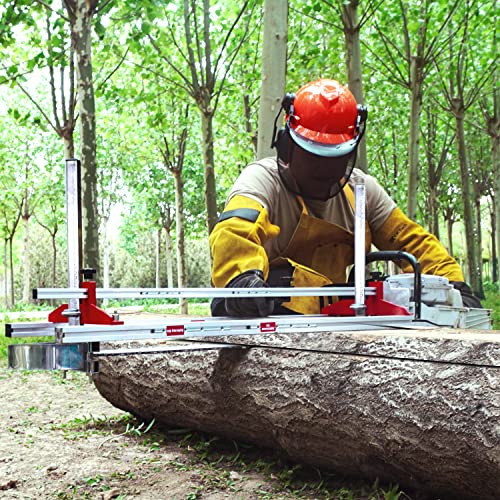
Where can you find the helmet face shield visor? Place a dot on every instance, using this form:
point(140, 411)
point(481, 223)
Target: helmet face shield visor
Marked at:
point(316, 177)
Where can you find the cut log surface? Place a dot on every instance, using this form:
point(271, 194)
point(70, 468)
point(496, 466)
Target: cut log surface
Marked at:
point(416, 407)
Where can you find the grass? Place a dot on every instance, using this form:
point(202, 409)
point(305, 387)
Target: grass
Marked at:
point(220, 462)
point(195, 309)
point(216, 464)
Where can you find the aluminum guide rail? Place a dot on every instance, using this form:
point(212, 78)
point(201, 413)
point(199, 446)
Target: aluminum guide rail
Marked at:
point(359, 248)
point(74, 232)
point(164, 293)
point(105, 353)
point(31, 329)
point(203, 327)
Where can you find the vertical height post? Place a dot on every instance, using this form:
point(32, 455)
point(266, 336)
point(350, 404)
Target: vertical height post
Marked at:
point(74, 233)
point(359, 248)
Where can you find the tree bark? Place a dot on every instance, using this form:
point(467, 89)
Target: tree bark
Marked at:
point(492, 119)
point(274, 51)
point(433, 211)
point(169, 257)
point(420, 408)
point(417, 79)
point(465, 175)
point(5, 274)
point(80, 13)
point(180, 240)
point(449, 228)
point(209, 170)
point(494, 251)
point(352, 29)
point(26, 298)
point(158, 258)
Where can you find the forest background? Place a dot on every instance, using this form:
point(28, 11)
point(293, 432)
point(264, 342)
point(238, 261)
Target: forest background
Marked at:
point(165, 102)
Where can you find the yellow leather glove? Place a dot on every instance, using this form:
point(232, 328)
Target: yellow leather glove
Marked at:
point(401, 233)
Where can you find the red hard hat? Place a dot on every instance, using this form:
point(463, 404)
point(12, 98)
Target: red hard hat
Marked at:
point(324, 118)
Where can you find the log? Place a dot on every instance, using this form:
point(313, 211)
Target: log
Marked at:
point(420, 408)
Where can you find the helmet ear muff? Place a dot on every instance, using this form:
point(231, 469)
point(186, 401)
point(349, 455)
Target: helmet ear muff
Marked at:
point(362, 116)
point(282, 144)
point(280, 137)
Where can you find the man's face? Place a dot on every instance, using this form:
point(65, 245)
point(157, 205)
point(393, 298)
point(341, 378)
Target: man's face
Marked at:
point(315, 175)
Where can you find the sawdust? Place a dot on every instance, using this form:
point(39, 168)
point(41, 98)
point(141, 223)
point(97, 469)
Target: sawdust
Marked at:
point(60, 439)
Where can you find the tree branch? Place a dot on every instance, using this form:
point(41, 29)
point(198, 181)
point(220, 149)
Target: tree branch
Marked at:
point(48, 7)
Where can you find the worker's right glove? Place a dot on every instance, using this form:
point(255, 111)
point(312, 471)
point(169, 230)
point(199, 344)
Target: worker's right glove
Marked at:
point(468, 298)
point(249, 306)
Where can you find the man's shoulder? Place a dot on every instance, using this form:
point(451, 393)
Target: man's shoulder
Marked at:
point(370, 181)
point(359, 175)
point(259, 180)
point(259, 173)
point(264, 166)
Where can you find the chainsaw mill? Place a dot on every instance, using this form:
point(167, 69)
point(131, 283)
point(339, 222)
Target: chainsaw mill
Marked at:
point(404, 301)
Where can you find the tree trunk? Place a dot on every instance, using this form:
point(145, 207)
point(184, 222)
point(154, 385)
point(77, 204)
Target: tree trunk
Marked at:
point(81, 35)
point(274, 52)
point(11, 265)
point(494, 251)
point(413, 146)
point(420, 408)
point(26, 298)
point(493, 126)
point(6, 272)
point(478, 226)
point(179, 226)
point(169, 258)
point(69, 147)
point(158, 258)
point(449, 230)
point(208, 162)
point(433, 212)
point(354, 68)
point(496, 176)
point(465, 175)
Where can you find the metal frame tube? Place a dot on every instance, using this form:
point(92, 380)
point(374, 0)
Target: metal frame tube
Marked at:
point(193, 293)
point(359, 248)
point(74, 233)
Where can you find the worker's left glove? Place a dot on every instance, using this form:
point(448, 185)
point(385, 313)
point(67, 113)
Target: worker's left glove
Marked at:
point(249, 306)
point(468, 298)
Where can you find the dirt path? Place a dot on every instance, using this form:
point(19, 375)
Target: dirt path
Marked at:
point(60, 439)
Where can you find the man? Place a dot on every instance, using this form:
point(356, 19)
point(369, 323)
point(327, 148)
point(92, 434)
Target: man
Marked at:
point(289, 221)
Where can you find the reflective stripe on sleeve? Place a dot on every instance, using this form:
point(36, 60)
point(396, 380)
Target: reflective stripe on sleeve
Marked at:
point(249, 214)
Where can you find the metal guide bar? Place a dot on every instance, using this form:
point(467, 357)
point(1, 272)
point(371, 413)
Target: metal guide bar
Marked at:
point(31, 329)
point(74, 231)
point(359, 249)
point(193, 293)
point(178, 330)
point(104, 353)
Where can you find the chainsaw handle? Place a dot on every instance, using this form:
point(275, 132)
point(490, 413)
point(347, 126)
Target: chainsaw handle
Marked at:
point(388, 255)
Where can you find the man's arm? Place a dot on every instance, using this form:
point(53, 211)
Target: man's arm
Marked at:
point(239, 257)
point(237, 240)
point(399, 232)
